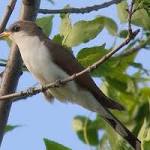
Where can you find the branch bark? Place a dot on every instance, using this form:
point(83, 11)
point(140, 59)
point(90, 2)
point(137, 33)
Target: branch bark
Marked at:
point(7, 14)
point(79, 10)
point(14, 66)
point(137, 48)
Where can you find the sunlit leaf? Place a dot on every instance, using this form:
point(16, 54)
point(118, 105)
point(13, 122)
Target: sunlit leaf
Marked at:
point(46, 24)
point(88, 56)
point(83, 31)
point(51, 145)
point(144, 135)
point(110, 25)
point(86, 130)
point(143, 4)
point(65, 26)
point(145, 93)
point(58, 39)
point(9, 128)
point(141, 18)
point(123, 33)
point(143, 110)
point(103, 143)
point(122, 11)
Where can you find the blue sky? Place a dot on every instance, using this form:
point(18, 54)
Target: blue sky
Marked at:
point(39, 119)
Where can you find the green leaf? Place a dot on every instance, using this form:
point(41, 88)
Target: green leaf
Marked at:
point(123, 33)
point(131, 88)
point(86, 130)
point(143, 110)
point(110, 25)
point(88, 56)
point(144, 135)
point(144, 93)
point(117, 84)
point(137, 65)
point(143, 4)
point(146, 145)
point(103, 143)
point(117, 90)
point(65, 26)
point(9, 128)
point(122, 11)
point(58, 39)
point(141, 18)
point(83, 31)
point(46, 24)
point(139, 78)
point(51, 145)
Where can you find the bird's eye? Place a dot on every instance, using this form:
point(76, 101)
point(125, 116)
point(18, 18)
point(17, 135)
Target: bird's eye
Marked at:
point(16, 28)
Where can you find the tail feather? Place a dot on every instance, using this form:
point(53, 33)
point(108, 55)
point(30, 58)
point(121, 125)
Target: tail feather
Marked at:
point(109, 103)
point(119, 127)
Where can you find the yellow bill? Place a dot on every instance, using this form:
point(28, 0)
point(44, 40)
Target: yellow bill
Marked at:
point(5, 34)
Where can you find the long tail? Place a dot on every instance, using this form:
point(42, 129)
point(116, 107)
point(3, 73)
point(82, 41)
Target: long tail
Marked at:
point(119, 127)
point(109, 103)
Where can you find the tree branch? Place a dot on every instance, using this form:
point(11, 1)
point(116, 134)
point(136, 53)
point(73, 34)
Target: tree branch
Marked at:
point(7, 14)
point(131, 11)
point(79, 10)
point(135, 49)
point(58, 83)
point(14, 66)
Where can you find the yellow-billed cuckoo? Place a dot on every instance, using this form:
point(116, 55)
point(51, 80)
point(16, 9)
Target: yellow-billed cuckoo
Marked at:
point(49, 62)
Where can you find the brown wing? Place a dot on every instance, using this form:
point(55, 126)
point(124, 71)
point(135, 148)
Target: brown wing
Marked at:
point(62, 57)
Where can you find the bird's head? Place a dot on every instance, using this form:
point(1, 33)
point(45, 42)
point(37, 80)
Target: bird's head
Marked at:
point(20, 29)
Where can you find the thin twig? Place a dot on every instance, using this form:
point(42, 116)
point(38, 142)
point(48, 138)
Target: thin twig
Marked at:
point(8, 12)
point(136, 48)
point(34, 91)
point(131, 11)
point(79, 10)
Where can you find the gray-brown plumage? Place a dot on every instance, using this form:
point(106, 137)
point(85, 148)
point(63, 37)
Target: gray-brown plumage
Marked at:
point(49, 61)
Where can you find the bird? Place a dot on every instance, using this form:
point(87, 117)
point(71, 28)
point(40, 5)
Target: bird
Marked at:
point(49, 61)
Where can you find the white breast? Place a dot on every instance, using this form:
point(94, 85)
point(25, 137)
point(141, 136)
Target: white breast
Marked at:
point(38, 60)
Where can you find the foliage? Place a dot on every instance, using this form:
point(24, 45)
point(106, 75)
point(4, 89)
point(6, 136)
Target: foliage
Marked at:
point(50, 145)
point(45, 23)
point(84, 31)
point(9, 128)
point(130, 89)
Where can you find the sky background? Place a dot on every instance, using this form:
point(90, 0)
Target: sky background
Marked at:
point(37, 118)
